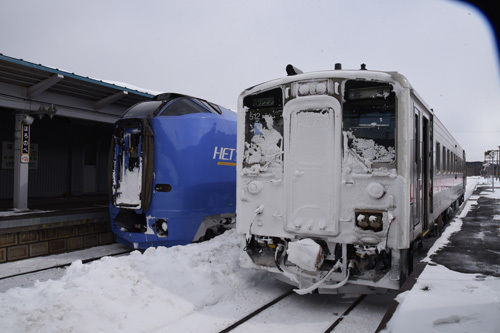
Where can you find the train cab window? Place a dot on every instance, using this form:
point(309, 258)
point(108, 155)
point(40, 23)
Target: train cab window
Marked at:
point(182, 106)
point(211, 106)
point(144, 109)
point(369, 120)
point(263, 130)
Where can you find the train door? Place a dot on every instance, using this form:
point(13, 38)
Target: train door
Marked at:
point(312, 164)
point(422, 169)
point(430, 159)
point(426, 167)
point(132, 164)
point(416, 193)
point(127, 177)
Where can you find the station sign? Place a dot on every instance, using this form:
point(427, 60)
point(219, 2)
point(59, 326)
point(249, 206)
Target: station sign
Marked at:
point(25, 144)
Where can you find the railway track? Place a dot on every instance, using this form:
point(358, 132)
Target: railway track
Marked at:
point(339, 317)
point(25, 272)
point(58, 266)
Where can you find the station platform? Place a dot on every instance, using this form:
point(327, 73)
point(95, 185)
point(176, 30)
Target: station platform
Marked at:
point(476, 247)
point(53, 225)
point(457, 286)
point(52, 210)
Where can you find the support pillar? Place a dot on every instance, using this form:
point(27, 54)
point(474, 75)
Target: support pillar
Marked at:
point(21, 163)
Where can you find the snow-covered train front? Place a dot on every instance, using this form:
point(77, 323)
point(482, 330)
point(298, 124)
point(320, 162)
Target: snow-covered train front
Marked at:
point(339, 174)
point(172, 172)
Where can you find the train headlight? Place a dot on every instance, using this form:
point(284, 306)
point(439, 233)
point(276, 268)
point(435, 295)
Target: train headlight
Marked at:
point(375, 222)
point(369, 220)
point(361, 221)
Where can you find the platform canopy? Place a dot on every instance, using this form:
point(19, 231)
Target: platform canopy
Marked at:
point(32, 91)
point(36, 89)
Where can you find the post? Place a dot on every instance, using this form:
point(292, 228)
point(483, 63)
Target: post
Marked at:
point(21, 160)
point(492, 156)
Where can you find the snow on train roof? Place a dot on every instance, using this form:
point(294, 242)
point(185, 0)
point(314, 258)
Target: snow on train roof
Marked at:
point(394, 77)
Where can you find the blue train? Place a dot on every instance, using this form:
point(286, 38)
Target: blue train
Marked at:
point(172, 172)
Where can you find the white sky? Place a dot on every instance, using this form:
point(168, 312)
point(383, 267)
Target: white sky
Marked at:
point(215, 49)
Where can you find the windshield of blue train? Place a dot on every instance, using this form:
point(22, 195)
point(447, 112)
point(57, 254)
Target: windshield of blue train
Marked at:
point(263, 131)
point(182, 106)
point(143, 109)
point(369, 121)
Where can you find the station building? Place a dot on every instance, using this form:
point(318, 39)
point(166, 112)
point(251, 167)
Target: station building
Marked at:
point(55, 132)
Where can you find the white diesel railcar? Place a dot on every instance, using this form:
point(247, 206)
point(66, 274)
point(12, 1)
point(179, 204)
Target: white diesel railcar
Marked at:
point(340, 174)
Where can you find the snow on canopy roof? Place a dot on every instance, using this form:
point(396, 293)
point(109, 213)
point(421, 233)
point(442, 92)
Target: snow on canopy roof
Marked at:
point(26, 74)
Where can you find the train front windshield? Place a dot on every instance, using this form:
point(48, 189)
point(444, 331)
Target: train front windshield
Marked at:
point(369, 125)
point(263, 130)
point(144, 109)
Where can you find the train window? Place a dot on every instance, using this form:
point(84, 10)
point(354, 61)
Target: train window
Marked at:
point(369, 120)
point(438, 157)
point(263, 129)
point(448, 159)
point(211, 106)
point(182, 106)
point(144, 109)
point(445, 160)
point(451, 162)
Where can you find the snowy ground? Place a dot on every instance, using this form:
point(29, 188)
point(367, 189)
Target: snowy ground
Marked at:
point(201, 288)
point(446, 301)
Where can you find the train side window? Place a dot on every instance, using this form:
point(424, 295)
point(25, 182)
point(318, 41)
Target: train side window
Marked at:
point(444, 160)
point(438, 157)
point(449, 160)
point(183, 106)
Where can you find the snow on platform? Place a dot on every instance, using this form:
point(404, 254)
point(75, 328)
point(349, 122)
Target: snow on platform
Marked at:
point(459, 289)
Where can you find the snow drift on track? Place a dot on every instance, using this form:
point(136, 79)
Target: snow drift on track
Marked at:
point(143, 292)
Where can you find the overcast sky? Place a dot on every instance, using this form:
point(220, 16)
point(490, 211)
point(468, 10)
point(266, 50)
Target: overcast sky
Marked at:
point(215, 49)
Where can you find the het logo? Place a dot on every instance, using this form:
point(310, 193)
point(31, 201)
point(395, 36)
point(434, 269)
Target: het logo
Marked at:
point(225, 156)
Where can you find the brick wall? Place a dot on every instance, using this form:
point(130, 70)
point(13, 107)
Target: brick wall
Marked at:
point(34, 241)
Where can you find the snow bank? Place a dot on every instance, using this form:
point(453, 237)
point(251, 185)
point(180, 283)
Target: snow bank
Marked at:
point(143, 292)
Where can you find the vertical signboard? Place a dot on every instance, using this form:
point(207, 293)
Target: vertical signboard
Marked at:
point(25, 144)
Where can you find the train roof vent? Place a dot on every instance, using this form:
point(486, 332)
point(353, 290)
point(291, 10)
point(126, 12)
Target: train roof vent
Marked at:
point(338, 66)
point(363, 67)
